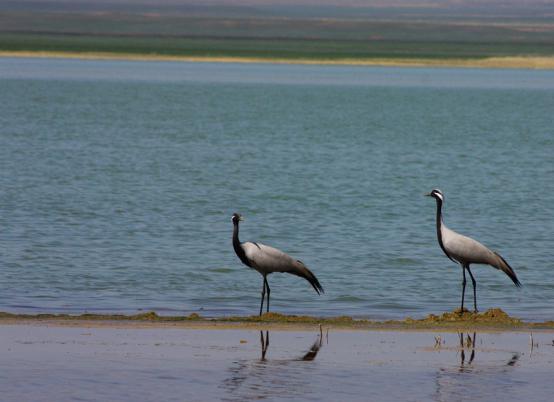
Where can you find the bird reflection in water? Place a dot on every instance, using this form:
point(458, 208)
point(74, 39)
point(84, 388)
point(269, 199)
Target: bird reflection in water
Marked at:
point(308, 356)
point(470, 381)
point(470, 344)
point(265, 343)
point(266, 377)
point(314, 350)
point(514, 359)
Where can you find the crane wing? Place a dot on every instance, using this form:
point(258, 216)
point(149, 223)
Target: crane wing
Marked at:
point(469, 251)
point(466, 250)
point(266, 259)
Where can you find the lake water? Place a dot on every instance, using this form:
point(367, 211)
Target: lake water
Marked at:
point(45, 363)
point(118, 180)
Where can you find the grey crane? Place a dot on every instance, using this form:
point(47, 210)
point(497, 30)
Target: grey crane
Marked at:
point(466, 251)
point(266, 260)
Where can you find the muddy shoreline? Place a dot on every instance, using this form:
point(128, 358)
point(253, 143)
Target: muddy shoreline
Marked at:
point(492, 319)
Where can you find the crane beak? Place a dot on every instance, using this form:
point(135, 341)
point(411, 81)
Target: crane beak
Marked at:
point(428, 194)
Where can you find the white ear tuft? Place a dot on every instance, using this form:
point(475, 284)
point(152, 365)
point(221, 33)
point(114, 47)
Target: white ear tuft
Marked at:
point(439, 194)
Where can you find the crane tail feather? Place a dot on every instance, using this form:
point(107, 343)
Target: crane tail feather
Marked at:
point(302, 271)
point(505, 267)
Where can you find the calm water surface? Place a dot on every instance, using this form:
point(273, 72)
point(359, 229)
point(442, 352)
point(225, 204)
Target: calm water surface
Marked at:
point(118, 180)
point(91, 364)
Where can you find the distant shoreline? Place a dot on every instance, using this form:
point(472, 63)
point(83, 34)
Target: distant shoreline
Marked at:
point(512, 62)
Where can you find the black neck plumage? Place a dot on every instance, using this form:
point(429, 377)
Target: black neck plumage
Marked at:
point(237, 246)
point(439, 226)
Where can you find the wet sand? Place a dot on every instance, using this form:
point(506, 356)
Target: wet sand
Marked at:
point(525, 62)
point(491, 319)
point(128, 361)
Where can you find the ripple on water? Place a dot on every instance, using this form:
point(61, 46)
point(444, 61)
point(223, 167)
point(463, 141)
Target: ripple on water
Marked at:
point(119, 192)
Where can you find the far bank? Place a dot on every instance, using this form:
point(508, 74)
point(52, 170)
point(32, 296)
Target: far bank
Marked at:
point(512, 62)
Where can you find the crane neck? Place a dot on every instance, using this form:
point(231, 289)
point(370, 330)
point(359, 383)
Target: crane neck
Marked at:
point(439, 219)
point(236, 241)
point(237, 246)
point(439, 228)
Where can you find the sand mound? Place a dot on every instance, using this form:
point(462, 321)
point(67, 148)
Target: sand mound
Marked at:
point(491, 316)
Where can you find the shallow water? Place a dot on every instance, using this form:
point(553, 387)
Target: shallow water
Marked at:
point(90, 364)
point(118, 180)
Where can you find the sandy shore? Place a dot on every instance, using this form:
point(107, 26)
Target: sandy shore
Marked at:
point(490, 320)
point(526, 62)
point(209, 325)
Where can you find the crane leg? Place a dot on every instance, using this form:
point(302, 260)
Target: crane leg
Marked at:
point(263, 297)
point(474, 289)
point(268, 292)
point(463, 288)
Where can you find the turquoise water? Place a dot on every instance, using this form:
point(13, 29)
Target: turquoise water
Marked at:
point(118, 180)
